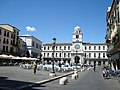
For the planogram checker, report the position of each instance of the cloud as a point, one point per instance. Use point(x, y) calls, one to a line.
point(26, 35)
point(30, 28)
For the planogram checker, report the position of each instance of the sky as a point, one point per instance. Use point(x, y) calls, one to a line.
point(46, 19)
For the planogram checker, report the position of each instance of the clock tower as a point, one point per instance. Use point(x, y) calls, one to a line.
point(77, 53)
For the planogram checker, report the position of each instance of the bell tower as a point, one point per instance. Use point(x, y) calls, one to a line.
point(77, 48)
point(77, 35)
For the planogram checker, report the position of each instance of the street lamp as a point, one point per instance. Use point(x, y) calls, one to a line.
point(53, 47)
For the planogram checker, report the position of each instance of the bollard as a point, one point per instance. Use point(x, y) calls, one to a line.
point(66, 79)
point(63, 81)
point(75, 72)
point(74, 76)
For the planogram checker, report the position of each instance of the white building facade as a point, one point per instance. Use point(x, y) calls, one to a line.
point(33, 45)
point(22, 47)
point(86, 53)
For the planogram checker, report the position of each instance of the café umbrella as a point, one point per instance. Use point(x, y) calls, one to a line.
point(3, 56)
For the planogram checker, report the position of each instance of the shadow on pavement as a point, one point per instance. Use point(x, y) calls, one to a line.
point(6, 84)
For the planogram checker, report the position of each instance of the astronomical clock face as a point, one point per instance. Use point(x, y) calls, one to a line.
point(77, 46)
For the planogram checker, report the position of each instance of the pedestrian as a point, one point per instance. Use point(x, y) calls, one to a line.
point(59, 64)
point(104, 72)
point(34, 67)
point(94, 67)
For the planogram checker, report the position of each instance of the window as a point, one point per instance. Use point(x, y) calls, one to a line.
point(103, 47)
point(64, 54)
point(89, 47)
point(48, 47)
point(94, 47)
point(99, 55)
point(44, 54)
point(68, 54)
point(3, 48)
point(7, 34)
point(103, 55)
point(68, 47)
point(36, 45)
point(11, 49)
point(6, 48)
point(11, 43)
point(85, 48)
point(77, 36)
point(52, 54)
point(56, 54)
point(89, 54)
point(99, 48)
point(4, 41)
point(33, 43)
point(64, 47)
point(11, 35)
point(7, 42)
point(60, 55)
point(56, 47)
point(4, 33)
point(44, 48)
point(94, 55)
point(60, 47)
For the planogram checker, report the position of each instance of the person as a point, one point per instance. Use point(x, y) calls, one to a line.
point(34, 67)
point(104, 72)
point(94, 66)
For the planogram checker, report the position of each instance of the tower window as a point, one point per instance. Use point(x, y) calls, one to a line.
point(77, 36)
point(85, 48)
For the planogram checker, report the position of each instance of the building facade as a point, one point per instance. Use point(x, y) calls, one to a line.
point(86, 53)
point(22, 47)
point(33, 45)
point(9, 37)
point(113, 34)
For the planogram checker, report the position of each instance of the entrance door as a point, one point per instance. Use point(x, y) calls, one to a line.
point(77, 58)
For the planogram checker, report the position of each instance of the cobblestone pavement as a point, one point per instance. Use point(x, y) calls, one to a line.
point(88, 80)
point(14, 76)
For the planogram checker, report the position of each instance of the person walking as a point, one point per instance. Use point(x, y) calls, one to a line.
point(94, 67)
point(34, 67)
point(104, 72)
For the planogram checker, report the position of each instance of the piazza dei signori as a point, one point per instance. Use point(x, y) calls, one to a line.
point(83, 52)
point(76, 51)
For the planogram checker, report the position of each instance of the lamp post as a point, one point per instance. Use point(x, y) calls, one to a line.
point(53, 47)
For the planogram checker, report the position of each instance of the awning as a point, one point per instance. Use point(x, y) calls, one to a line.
point(3, 56)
